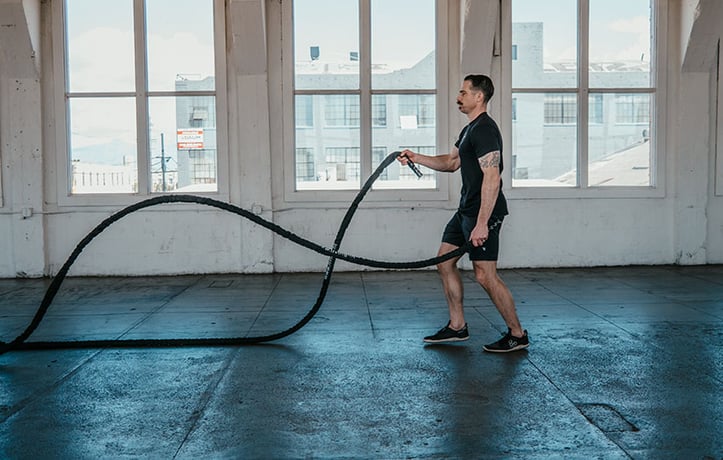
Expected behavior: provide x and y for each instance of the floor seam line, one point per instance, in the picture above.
(197, 414)
(567, 397)
(263, 307)
(18, 407)
(366, 302)
(156, 310)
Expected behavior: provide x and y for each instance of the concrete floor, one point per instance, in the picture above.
(623, 363)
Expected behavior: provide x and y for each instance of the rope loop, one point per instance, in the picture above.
(20, 343)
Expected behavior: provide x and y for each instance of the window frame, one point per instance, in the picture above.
(659, 118)
(141, 94)
(445, 21)
(719, 129)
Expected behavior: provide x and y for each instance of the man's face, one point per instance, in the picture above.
(468, 99)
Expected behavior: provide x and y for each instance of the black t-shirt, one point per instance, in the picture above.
(478, 138)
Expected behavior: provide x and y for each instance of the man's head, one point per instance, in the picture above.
(476, 91)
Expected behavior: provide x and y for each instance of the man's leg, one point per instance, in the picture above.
(486, 274)
(453, 287)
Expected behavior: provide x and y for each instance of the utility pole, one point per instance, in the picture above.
(163, 162)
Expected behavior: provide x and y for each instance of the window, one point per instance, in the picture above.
(419, 108)
(560, 109)
(379, 110)
(375, 88)
(342, 164)
(305, 169)
(304, 111)
(632, 109)
(341, 110)
(141, 115)
(583, 102)
(596, 108)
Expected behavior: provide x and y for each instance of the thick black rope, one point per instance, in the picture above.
(20, 342)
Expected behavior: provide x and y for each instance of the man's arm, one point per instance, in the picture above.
(490, 165)
(448, 162)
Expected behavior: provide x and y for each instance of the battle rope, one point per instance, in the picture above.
(20, 342)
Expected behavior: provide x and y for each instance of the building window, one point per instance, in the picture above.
(632, 109)
(596, 108)
(379, 110)
(304, 110)
(342, 163)
(305, 168)
(418, 107)
(143, 115)
(560, 109)
(376, 98)
(583, 101)
(341, 110)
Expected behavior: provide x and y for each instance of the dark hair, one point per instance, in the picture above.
(482, 83)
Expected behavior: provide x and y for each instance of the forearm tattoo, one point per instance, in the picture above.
(490, 160)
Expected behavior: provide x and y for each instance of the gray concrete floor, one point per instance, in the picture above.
(624, 363)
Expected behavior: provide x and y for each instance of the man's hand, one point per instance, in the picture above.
(479, 235)
(405, 156)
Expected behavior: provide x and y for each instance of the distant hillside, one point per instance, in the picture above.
(112, 153)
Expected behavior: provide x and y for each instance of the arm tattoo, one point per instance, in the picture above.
(490, 160)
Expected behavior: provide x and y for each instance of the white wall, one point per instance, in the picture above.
(684, 225)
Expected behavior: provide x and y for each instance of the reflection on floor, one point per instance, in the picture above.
(624, 362)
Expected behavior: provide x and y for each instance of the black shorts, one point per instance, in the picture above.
(459, 229)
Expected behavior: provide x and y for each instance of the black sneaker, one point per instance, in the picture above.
(447, 334)
(508, 343)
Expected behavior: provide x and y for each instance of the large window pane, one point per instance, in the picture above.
(326, 44)
(181, 152)
(544, 140)
(102, 146)
(180, 42)
(88, 24)
(545, 44)
(618, 85)
(620, 43)
(402, 44)
(412, 125)
(399, 92)
(328, 153)
(182, 138)
(620, 147)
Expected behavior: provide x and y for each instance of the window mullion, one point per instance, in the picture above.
(142, 142)
(583, 92)
(365, 80)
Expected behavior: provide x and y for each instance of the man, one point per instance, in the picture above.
(482, 207)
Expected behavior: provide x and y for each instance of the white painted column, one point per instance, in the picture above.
(21, 139)
(691, 173)
(249, 133)
(479, 22)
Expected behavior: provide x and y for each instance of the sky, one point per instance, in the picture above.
(403, 31)
(181, 42)
(619, 29)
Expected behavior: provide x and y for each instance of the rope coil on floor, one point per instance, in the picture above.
(20, 342)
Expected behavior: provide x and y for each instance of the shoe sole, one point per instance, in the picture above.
(452, 339)
(517, 348)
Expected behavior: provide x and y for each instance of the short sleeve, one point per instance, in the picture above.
(485, 141)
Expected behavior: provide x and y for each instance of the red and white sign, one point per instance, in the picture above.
(189, 139)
